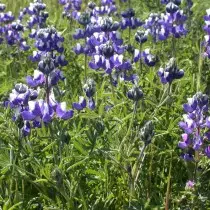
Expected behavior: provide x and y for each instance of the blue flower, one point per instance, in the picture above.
(194, 124)
(170, 72)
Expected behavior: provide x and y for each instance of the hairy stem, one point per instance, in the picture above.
(130, 126)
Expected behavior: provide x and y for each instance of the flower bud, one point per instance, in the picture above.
(130, 48)
(107, 50)
(21, 88)
(177, 2)
(147, 132)
(171, 7)
(202, 99)
(46, 66)
(17, 26)
(140, 37)
(107, 25)
(33, 94)
(91, 5)
(89, 88)
(135, 93)
(84, 19)
(2, 7)
(128, 13)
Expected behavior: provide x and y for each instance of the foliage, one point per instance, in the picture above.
(98, 159)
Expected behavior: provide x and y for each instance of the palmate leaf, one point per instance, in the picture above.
(93, 173)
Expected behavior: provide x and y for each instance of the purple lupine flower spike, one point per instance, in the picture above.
(195, 121)
(89, 89)
(70, 7)
(206, 28)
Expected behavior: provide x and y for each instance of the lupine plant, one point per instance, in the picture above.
(104, 104)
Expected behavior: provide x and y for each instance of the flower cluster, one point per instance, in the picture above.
(170, 23)
(109, 49)
(129, 20)
(49, 48)
(50, 57)
(141, 37)
(7, 17)
(146, 56)
(107, 7)
(14, 35)
(37, 13)
(135, 93)
(176, 2)
(207, 37)
(89, 89)
(71, 7)
(102, 42)
(32, 110)
(195, 125)
(10, 31)
(170, 72)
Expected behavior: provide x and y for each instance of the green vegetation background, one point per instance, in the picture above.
(90, 171)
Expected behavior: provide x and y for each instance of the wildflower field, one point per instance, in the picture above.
(104, 105)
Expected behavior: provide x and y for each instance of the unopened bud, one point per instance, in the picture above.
(147, 132)
(135, 94)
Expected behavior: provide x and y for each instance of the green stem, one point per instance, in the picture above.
(129, 29)
(47, 91)
(140, 61)
(83, 199)
(130, 126)
(53, 147)
(170, 89)
(173, 46)
(112, 88)
(200, 63)
(163, 99)
(85, 68)
(168, 186)
(196, 165)
(138, 165)
(85, 61)
(129, 35)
